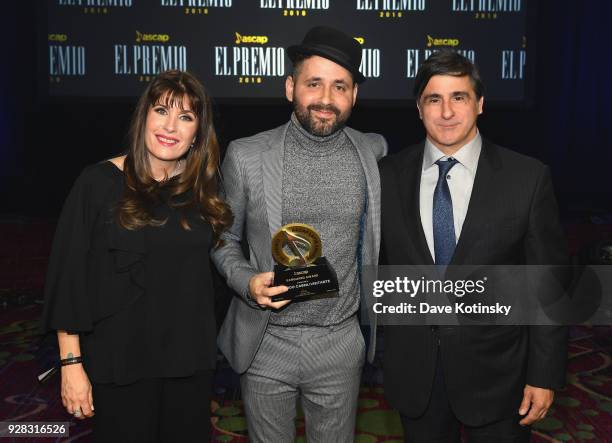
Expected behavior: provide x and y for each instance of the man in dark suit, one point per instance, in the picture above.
(458, 199)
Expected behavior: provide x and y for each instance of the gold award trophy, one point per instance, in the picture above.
(296, 248)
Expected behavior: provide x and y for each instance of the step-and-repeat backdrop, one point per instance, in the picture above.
(111, 48)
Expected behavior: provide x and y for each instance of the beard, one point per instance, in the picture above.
(317, 126)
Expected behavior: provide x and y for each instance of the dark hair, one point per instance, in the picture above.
(201, 173)
(297, 61)
(447, 62)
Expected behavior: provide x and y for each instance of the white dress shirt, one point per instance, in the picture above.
(460, 180)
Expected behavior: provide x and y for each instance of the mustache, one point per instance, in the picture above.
(322, 107)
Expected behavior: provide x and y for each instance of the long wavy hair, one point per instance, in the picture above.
(200, 175)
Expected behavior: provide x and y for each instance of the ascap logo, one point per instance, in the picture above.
(58, 37)
(360, 40)
(140, 37)
(441, 41)
(259, 39)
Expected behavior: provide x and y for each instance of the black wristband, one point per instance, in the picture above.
(71, 361)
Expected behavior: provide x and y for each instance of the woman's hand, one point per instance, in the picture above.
(76, 391)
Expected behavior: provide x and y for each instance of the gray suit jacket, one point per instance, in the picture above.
(252, 178)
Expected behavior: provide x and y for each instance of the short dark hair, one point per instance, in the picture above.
(447, 62)
(297, 61)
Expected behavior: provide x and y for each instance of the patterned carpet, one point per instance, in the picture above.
(582, 412)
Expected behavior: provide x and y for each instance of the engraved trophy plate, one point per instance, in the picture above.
(296, 248)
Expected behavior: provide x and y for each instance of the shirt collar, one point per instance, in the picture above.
(467, 155)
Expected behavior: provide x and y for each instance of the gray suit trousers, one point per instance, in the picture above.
(319, 365)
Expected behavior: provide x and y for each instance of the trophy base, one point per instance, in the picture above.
(304, 281)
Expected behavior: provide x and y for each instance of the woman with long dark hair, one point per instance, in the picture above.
(129, 288)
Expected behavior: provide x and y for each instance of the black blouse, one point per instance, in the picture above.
(142, 301)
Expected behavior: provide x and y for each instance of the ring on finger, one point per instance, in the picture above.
(77, 412)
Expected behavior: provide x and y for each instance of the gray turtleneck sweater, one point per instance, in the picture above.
(324, 186)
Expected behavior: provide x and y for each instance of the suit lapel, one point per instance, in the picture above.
(272, 175)
(369, 165)
(409, 178)
(482, 193)
(368, 162)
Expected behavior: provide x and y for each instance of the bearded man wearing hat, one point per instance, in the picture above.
(317, 171)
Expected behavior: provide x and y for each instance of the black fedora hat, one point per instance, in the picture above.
(331, 44)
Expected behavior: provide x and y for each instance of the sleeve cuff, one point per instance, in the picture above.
(241, 285)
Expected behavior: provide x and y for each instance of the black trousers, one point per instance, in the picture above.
(158, 410)
(440, 425)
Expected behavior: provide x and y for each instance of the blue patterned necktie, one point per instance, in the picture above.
(443, 224)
